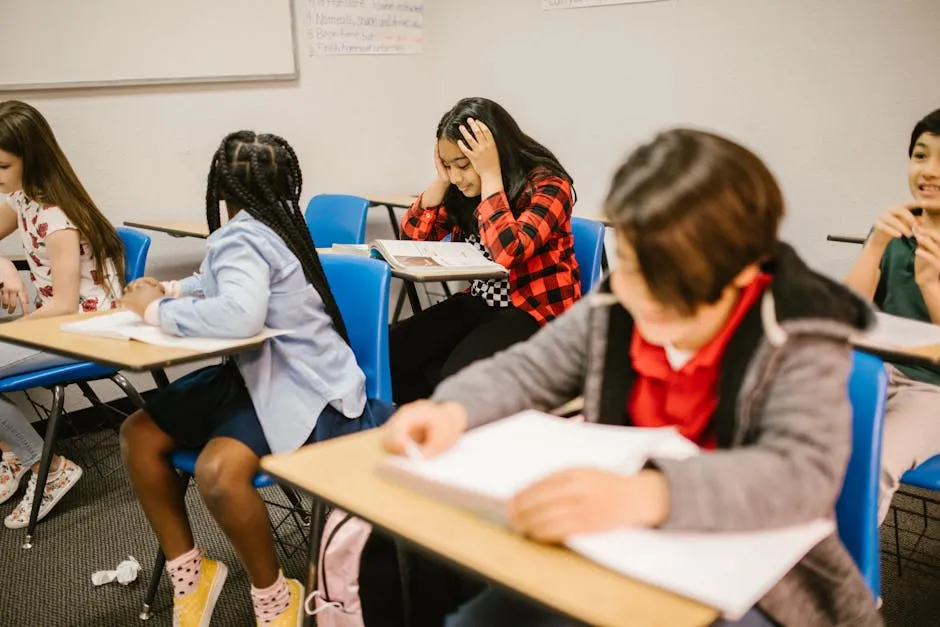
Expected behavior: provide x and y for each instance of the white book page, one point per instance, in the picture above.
(898, 332)
(727, 571)
(129, 326)
(498, 460)
(414, 254)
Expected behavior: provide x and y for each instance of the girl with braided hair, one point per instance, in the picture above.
(261, 269)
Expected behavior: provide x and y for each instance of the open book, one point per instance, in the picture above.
(429, 259)
(490, 464)
(126, 325)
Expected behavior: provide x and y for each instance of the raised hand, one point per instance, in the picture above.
(480, 148)
(897, 221)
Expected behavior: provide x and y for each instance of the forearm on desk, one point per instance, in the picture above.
(51, 309)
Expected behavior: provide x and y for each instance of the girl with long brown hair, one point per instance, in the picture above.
(76, 263)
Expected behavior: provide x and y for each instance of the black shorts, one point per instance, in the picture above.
(213, 402)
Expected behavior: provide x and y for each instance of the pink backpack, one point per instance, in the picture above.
(337, 594)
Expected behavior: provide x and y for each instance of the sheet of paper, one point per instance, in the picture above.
(898, 332)
(500, 459)
(728, 571)
(129, 326)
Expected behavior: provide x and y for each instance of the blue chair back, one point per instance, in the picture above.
(361, 289)
(337, 219)
(857, 507)
(588, 250)
(136, 246)
(926, 476)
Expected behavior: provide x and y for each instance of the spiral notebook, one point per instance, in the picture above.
(490, 464)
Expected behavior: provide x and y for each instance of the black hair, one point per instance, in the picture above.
(260, 174)
(929, 124)
(696, 209)
(519, 156)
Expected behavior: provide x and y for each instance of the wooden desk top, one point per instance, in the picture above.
(45, 334)
(342, 472)
(176, 228)
(928, 355)
(420, 277)
(402, 201)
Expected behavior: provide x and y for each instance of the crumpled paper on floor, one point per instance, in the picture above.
(125, 573)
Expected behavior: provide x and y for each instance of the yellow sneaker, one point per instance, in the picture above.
(195, 609)
(293, 616)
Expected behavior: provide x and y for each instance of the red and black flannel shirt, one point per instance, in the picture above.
(537, 247)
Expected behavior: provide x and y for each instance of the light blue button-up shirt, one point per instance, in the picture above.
(250, 279)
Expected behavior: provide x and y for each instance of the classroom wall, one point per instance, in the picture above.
(826, 92)
(144, 152)
(359, 124)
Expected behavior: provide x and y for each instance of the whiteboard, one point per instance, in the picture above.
(51, 44)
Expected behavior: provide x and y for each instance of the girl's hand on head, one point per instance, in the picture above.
(439, 166)
(584, 500)
(897, 221)
(12, 290)
(433, 196)
(480, 147)
(433, 427)
(138, 298)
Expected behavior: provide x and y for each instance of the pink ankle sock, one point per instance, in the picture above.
(184, 572)
(271, 602)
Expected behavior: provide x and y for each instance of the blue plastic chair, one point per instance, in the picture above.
(857, 507)
(136, 246)
(337, 219)
(588, 250)
(361, 289)
(927, 477)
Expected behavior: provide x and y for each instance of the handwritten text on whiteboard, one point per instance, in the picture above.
(365, 26)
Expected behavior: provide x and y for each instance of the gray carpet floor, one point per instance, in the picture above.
(99, 524)
(96, 526)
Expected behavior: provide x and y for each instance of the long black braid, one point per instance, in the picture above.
(260, 174)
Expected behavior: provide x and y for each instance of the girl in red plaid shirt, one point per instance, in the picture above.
(499, 189)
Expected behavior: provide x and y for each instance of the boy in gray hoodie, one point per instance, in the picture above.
(708, 324)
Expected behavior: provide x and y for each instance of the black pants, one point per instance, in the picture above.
(434, 589)
(441, 340)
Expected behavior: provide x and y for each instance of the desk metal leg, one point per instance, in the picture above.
(394, 220)
(160, 378)
(399, 304)
(413, 297)
(317, 520)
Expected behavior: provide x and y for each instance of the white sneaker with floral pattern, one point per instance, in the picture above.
(11, 475)
(59, 482)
